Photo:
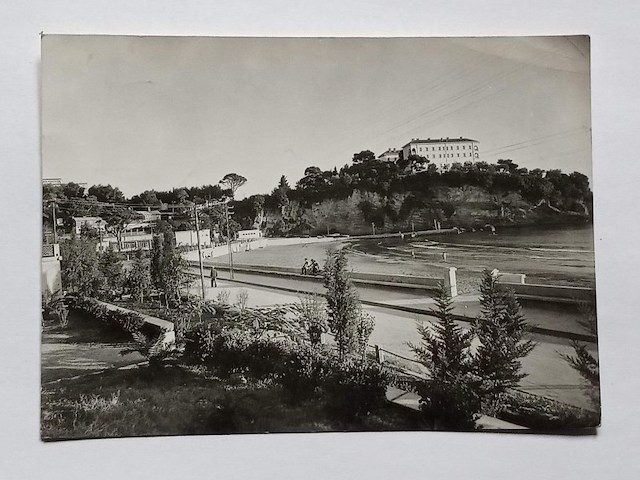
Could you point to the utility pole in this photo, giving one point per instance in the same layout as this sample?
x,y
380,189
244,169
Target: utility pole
x,y
373,228
99,222
195,211
226,209
55,222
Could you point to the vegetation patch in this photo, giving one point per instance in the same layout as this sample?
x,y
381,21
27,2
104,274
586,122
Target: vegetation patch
x,y
180,400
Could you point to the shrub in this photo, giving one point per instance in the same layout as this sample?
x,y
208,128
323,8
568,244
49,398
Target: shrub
x,y
312,316
129,321
544,414
352,387
241,300
453,404
355,387
304,369
223,297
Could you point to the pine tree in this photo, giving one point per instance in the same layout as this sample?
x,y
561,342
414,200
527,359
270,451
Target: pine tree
x,y
449,394
501,330
582,361
445,345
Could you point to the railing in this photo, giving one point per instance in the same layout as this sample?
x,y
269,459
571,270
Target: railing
x,y
50,250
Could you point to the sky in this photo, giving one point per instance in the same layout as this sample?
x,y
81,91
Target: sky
x,y
145,113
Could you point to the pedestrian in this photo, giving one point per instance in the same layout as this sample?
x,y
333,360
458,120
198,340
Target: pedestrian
x,y
413,254
444,256
305,265
214,277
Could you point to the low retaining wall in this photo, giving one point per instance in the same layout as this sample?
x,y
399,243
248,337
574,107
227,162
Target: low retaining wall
x,y
156,324
375,279
555,293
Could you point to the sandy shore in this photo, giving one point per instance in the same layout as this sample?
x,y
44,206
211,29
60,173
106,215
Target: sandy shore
x,y
398,260
294,255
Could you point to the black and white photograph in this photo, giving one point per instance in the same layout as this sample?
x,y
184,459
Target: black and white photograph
x,y
295,235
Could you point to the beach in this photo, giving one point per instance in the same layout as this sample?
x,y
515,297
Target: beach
x,y
556,256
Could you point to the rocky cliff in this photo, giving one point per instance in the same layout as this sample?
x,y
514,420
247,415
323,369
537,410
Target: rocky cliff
x,y
467,207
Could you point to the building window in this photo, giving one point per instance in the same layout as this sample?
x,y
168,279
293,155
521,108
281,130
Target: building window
x,y
458,155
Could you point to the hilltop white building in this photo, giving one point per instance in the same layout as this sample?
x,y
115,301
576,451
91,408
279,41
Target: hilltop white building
x,y
443,151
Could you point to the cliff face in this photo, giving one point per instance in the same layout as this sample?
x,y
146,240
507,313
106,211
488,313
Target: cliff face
x,y
465,206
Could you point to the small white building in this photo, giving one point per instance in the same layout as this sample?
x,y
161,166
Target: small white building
x,y
249,234
189,238
90,222
391,155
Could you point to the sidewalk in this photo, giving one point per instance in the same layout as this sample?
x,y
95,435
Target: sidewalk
x,y
546,318
412,401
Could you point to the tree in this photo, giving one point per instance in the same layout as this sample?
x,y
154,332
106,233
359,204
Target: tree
x,y
445,347
139,277
582,361
73,190
500,328
167,267
117,218
111,268
148,197
182,196
79,267
107,194
346,320
448,395
364,156
507,166
233,182
258,210
417,162
157,260
281,192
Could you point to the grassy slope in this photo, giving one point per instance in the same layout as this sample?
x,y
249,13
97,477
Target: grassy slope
x,y
177,401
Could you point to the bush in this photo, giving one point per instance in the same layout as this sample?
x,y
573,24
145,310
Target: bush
x,y
453,405
544,414
129,321
305,369
352,387
355,387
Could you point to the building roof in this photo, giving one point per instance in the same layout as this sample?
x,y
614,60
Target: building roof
x,y
391,151
440,140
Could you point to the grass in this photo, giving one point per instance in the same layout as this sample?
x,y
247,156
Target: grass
x,y
177,400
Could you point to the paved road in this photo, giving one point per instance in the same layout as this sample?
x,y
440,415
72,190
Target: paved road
x,y
547,373
553,316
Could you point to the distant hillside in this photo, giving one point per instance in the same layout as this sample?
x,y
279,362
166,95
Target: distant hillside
x,y
465,206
